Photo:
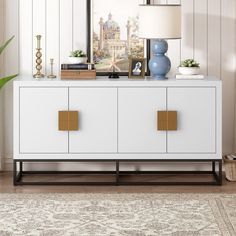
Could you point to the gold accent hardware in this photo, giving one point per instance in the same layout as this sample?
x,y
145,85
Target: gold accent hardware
x,y
68,120
38,59
73,123
167,120
63,120
172,120
162,120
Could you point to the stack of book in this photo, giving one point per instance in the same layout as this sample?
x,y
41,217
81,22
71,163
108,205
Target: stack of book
x,y
189,77
78,71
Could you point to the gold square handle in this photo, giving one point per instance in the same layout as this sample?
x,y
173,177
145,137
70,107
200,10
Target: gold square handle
x,y
167,120
63,120
68,120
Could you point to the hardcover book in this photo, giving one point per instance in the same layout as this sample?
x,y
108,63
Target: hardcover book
x,y
189,77
81,66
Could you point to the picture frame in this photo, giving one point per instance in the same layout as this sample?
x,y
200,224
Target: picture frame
x,y
117,51
137,68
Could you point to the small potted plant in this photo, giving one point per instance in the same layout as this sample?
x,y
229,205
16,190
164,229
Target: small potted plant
x,y
77,57
189,67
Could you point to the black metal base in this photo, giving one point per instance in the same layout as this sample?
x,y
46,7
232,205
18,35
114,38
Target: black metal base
x,y
113,75
19,173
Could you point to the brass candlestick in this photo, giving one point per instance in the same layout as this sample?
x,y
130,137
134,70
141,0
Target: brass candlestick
x,y
38,59
51,76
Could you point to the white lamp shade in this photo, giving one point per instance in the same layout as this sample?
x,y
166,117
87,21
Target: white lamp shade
x,y
160,21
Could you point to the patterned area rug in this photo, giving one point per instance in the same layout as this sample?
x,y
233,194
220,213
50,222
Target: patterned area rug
x,y
117,214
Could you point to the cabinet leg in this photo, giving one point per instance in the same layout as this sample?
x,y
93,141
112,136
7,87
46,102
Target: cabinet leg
x,y
21,166
117,172
220,172
213,167
17,175
14,172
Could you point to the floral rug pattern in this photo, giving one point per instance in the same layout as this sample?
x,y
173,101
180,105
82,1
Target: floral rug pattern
x,y
117,214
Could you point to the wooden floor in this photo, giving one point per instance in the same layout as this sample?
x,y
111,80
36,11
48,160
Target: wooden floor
x,y
6,186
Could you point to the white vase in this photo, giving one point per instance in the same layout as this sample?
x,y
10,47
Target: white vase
x,y
189,70
77,60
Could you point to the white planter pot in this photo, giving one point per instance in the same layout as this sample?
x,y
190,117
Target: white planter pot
x,y
189,70
77,60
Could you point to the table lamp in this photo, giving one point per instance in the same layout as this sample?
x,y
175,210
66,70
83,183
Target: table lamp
x,y
159,22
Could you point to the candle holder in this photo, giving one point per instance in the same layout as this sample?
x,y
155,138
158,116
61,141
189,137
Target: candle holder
x,y
38,59
51,76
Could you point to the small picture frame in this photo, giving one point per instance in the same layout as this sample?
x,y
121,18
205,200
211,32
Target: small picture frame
x,y
136,68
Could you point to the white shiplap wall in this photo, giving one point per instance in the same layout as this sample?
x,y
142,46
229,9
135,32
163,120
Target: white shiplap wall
x,y
208,35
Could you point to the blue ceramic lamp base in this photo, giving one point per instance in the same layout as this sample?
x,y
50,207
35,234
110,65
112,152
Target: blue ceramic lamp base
x,y
159,64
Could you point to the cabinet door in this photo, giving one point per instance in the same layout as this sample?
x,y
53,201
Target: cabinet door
x,y
137,116
196,109
97,109
39,120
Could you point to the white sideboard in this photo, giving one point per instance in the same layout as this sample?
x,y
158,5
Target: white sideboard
x,y
118,120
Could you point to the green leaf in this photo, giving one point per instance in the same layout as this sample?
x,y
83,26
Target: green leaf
x,y
5,44
3,81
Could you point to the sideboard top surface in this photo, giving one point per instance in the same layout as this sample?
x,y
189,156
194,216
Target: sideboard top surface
x,y
123,81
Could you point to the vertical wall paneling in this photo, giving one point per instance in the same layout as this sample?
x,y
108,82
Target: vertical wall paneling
x,y
26,34
11,56
52,35
79,25
66,29
39,28
174,49
11,14
214,32
228,71
187,41
200,34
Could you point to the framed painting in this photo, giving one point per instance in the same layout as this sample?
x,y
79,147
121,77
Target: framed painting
x,y
113,35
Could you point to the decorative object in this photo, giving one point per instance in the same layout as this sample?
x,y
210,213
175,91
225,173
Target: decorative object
x,y
4,80
113,67
230,167
81,71
189,77
159,22
189,70
80,66
51,76
78,74
136,67
113,29
38,67
189,67
77,57
117,214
